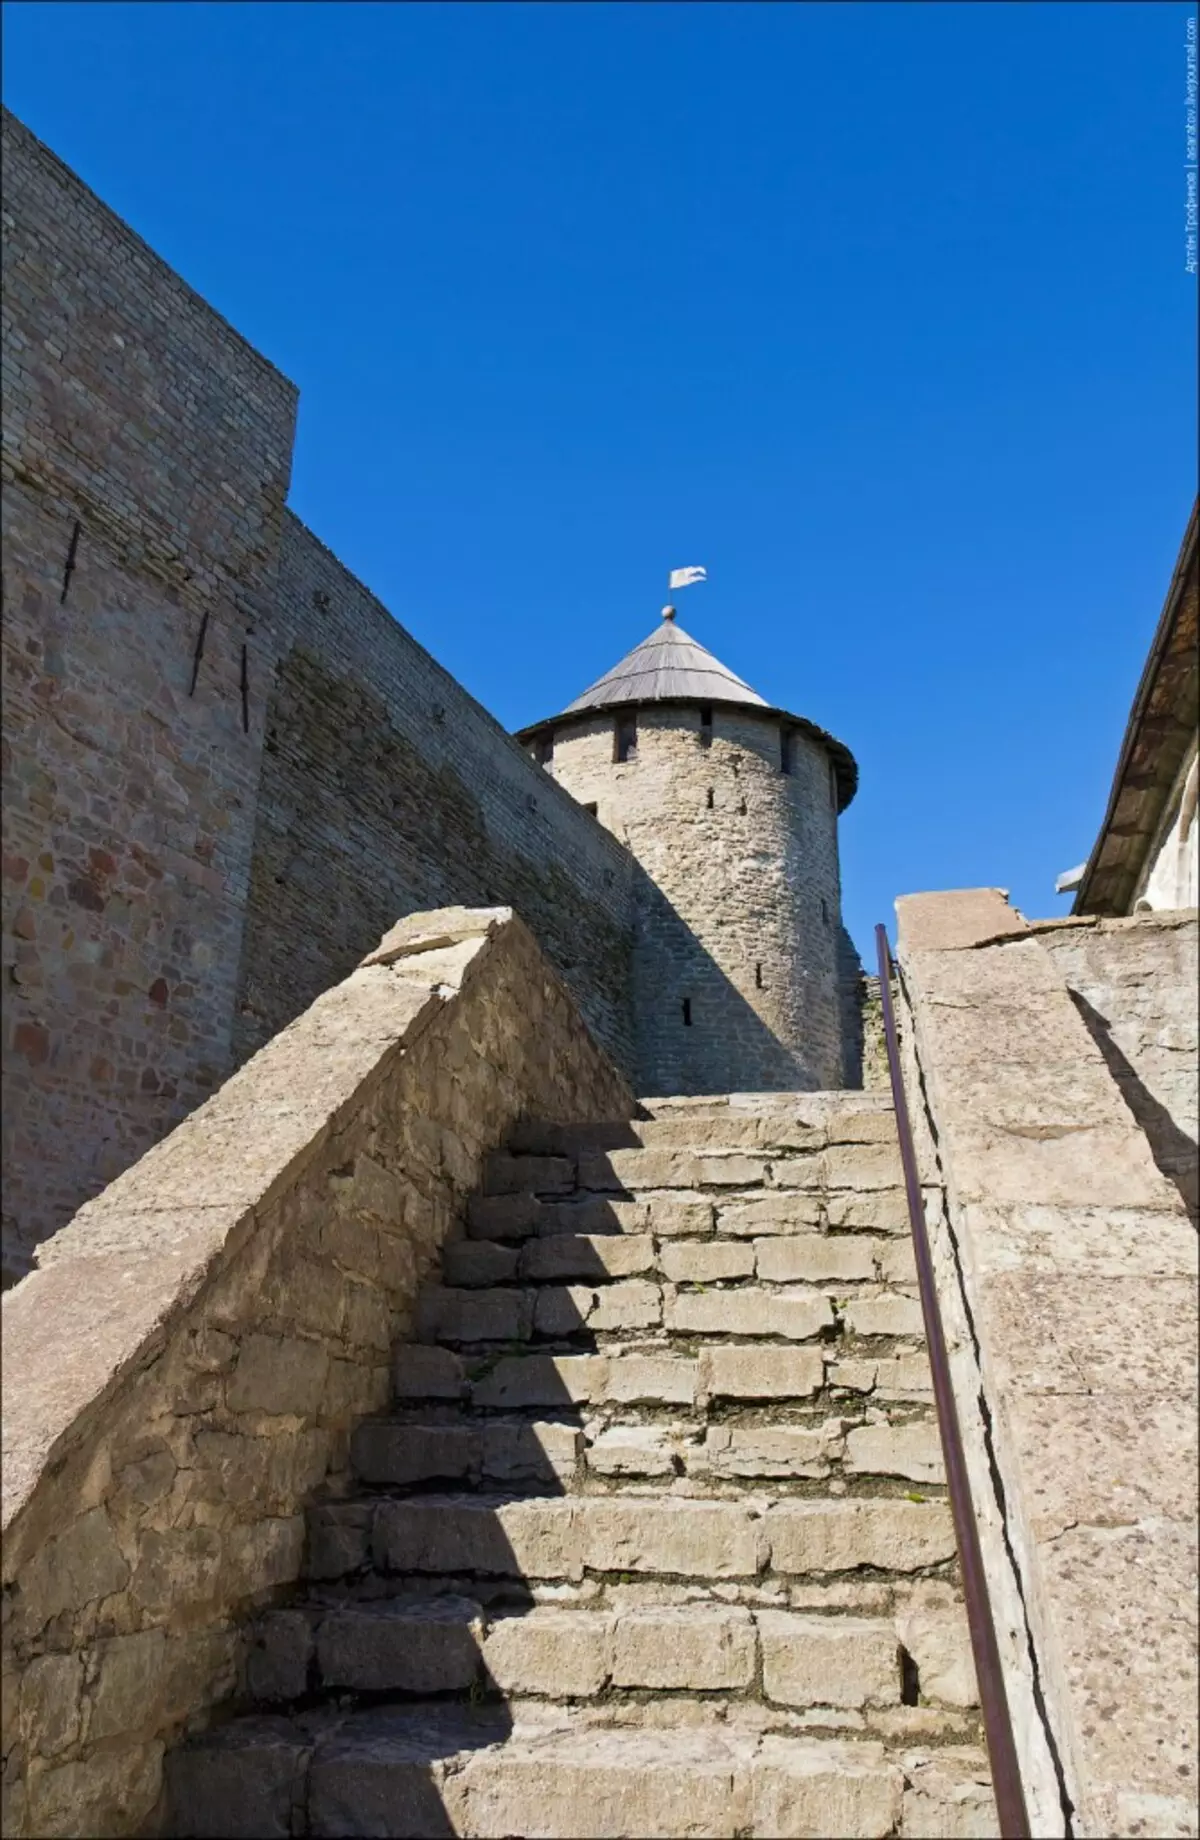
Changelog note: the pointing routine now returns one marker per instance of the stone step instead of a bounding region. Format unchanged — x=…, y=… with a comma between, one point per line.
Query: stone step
x=789, y=1127
x=452, y=1644
x=570, y=1536
x=429, y=1770
x=508, y=1315
x=480, y=1451
x=742, y=1372
x=671, y=1213
x=794, y=1257
x=811, y=1164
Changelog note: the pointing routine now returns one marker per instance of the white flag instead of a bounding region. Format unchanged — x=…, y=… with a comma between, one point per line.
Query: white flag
x=683, y=578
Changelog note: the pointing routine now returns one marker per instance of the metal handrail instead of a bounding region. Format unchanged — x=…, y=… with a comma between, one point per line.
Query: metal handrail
x=997, y=1723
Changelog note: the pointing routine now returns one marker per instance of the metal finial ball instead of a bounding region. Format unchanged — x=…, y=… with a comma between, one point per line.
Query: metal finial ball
x=668, y=613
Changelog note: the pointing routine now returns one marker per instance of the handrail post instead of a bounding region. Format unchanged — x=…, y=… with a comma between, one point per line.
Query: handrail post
x=1002, y=1751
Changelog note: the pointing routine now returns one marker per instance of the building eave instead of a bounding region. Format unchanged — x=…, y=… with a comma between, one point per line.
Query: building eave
x=1162, y=724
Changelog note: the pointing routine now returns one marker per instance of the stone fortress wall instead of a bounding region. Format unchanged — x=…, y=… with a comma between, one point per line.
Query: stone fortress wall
x=228, y=769
x=146, y=461
x=738, y=940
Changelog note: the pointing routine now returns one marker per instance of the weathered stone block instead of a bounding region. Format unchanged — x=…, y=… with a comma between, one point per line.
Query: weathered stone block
x=770, y=1450
x=604, y=1255
x=948, y=1796
x=473, y=1316
x=749, y=1311
x=881, y=1211
x=470, y=1263
x=804, y=1786
x=761, y=1373
x=395, y=1645
x=851, y=1127
x=912, y=1450
x=563, y=1310
x=591, y=1216
x=384, y=1452
x=516, y=1450
x=673, y=1215
x=560, y=1654
x=127, y=1691
x=561, y=1786
x=79, y=1565
x=279, y=1375
x=503, y=1216
x=184, y=1564
x=697, y=1648
x=651, y=1380
x=277, y=1657
x=633, y=1450
x=242, y=1783
x=637, y=1170
x=863, y=1166
x=840, y=1536
x=109, y=1793
x=810, y=1258
x=932, y=1626
x=427, y=1373
x=846, y=1661
x=893, y=1314
x=690, y=1539
x=772, y=1212
x=339, y=1538
x=700, y=1261
x=505, y=1174
x=541, y=1380
x=385, y=1769
x=535, y=1539
x=50, y=1713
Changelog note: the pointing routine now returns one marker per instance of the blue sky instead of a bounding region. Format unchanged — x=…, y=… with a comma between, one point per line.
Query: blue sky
x=880, y=312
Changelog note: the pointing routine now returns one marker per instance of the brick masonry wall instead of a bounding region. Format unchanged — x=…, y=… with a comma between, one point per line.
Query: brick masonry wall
x=146, y=454
x=739, y=902
x=386, y=788
x=148, y=651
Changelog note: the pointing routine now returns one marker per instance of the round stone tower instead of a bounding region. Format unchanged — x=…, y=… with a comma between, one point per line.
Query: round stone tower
x=729, y=807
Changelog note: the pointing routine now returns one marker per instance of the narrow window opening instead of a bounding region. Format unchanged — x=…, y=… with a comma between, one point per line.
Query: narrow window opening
x=625, y=738
x=709, y=800
x=69, y=565
x=593, y=808
x=687, y=1012
x=758, y=983
x=543, y=750
x=824, y=911
x=742, y=808
x=785, y=750
x=910, y=1680
x=706, y=725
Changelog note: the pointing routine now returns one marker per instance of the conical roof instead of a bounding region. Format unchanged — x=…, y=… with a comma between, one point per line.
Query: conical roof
x=669, y=666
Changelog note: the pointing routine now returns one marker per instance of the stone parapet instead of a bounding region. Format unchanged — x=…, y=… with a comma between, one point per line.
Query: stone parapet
x=1067, y=1268
x=187, y=1363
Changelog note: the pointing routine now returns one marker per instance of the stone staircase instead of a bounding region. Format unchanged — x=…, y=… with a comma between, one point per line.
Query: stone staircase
x=654, y=1539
